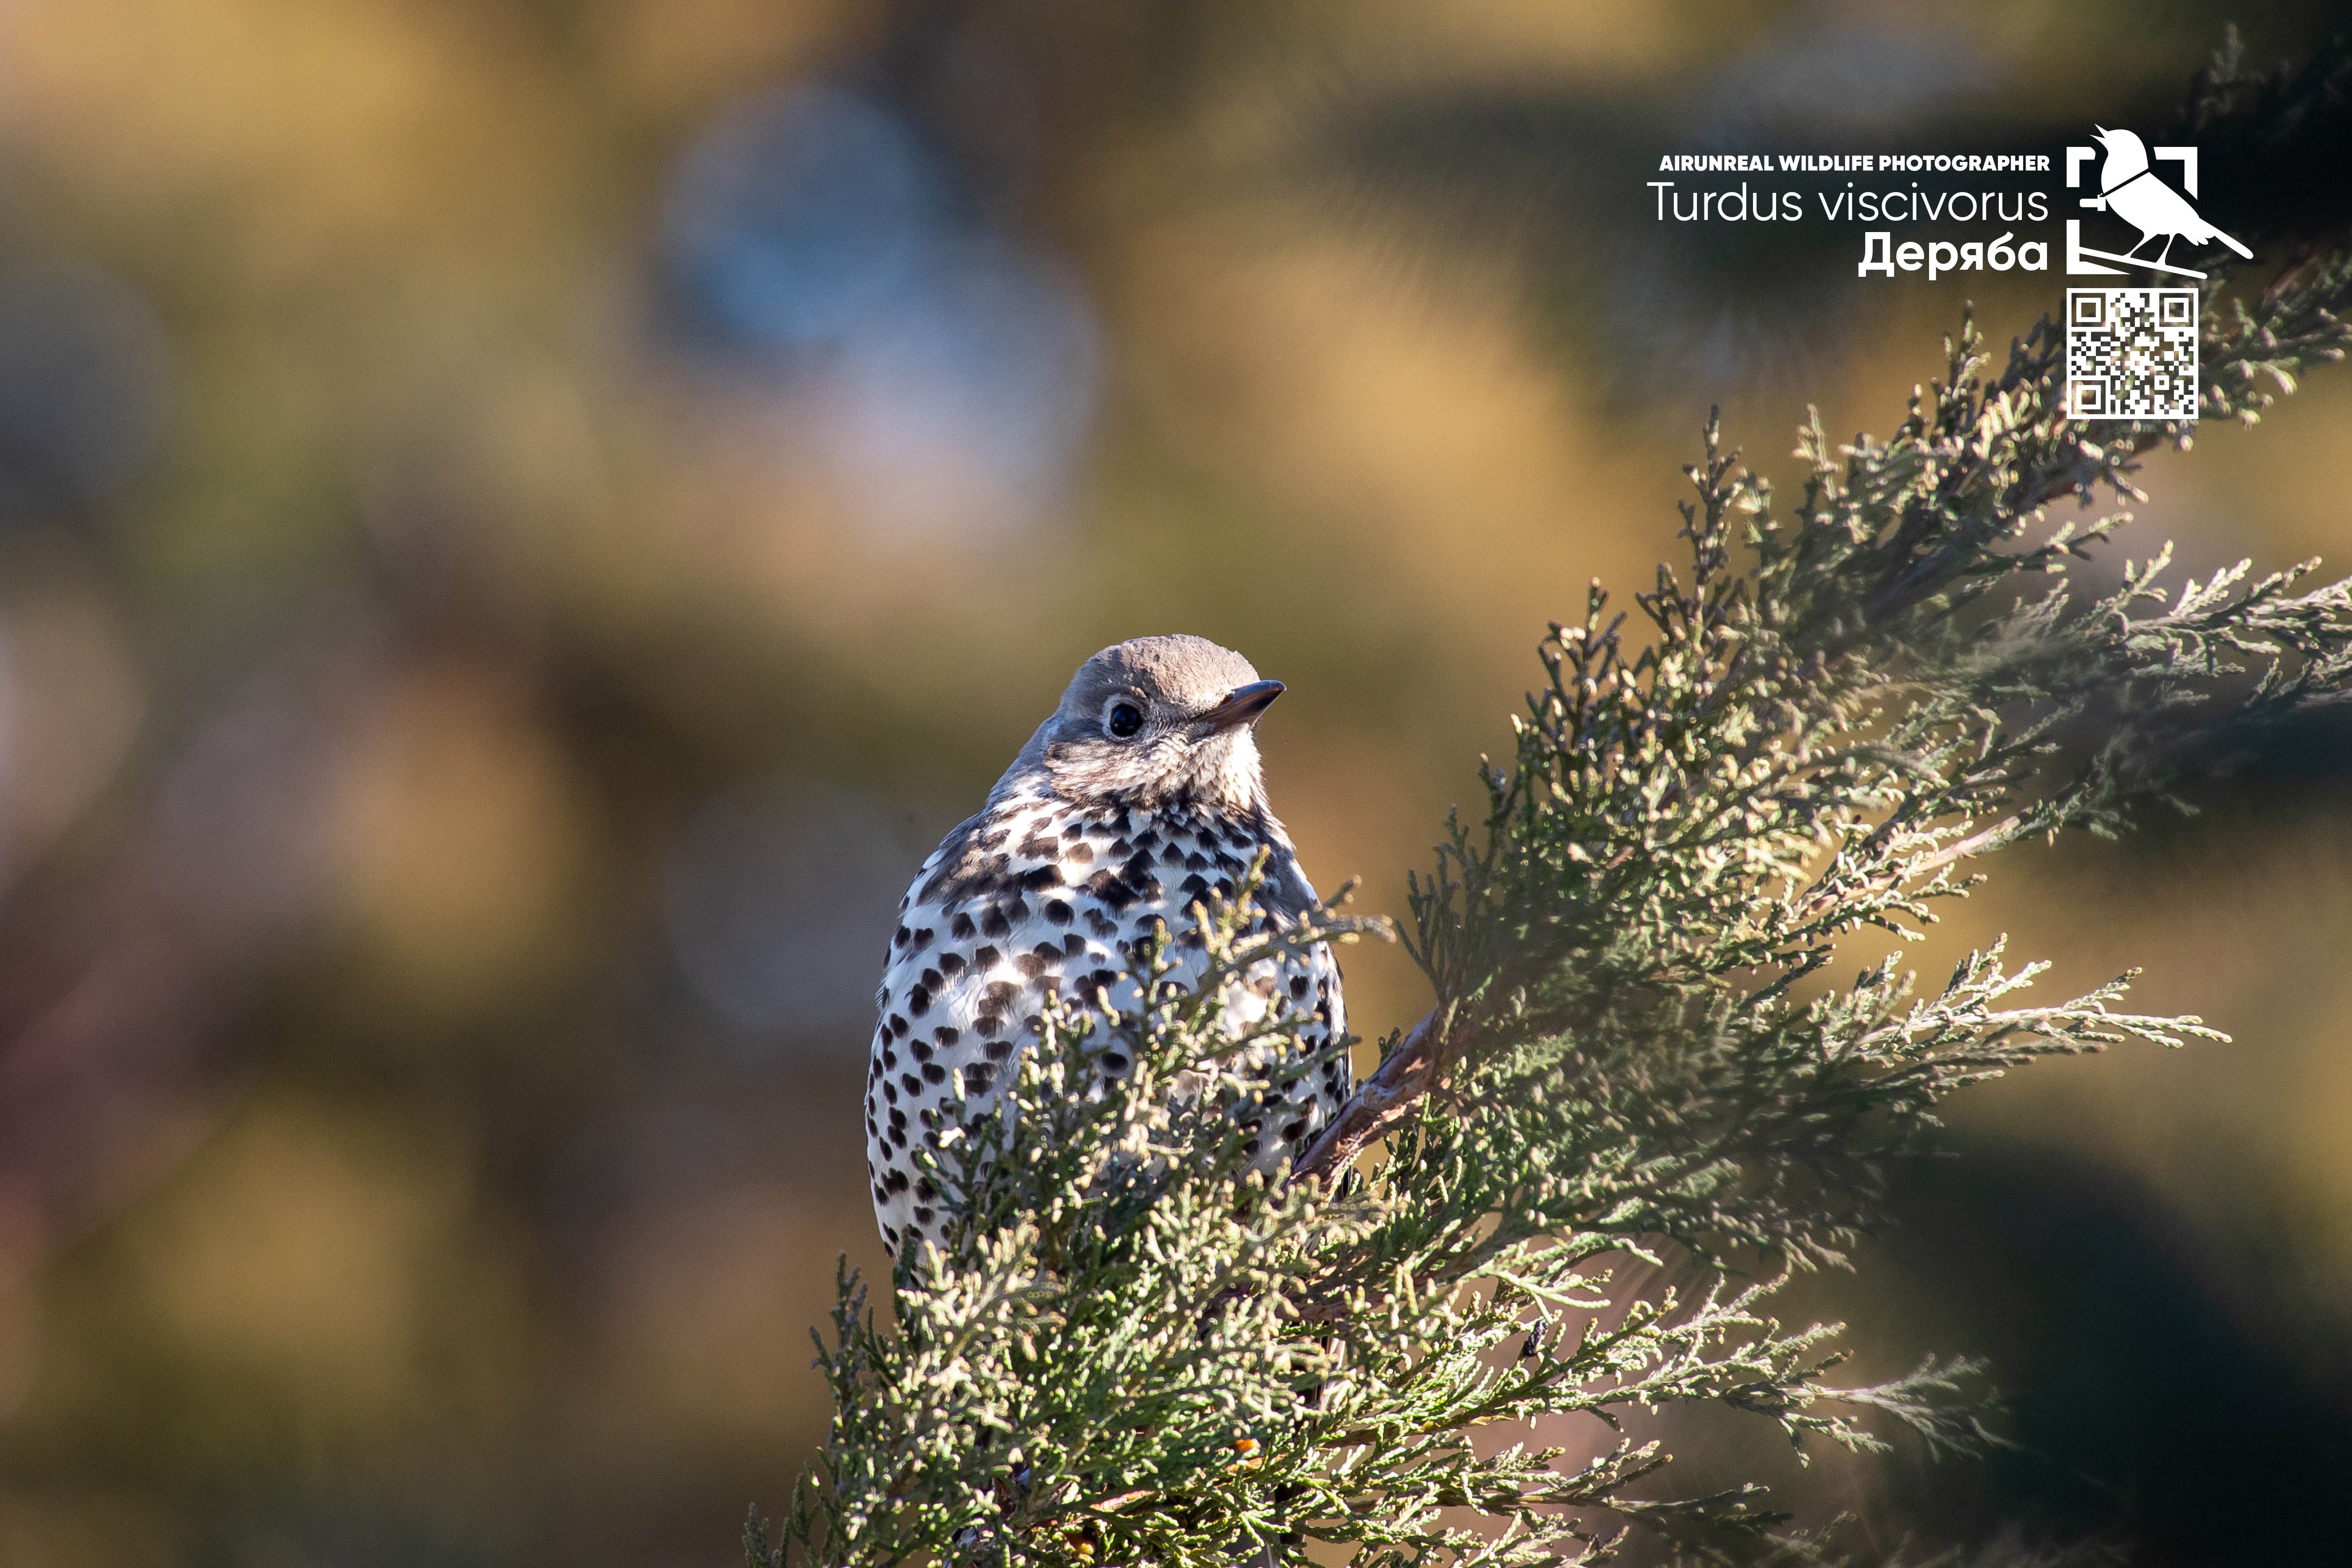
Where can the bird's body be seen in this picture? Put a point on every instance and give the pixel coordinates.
(1139, 797)
(2129, 188)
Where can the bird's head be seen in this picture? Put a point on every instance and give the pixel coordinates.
(1157, 719)
(2122, 145)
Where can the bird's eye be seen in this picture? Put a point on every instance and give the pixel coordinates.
(1123, 719)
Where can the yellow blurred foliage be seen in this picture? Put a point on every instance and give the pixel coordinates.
(77, 699)
(460, 841)
(298, 1251)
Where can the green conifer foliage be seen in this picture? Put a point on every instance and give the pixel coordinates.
(1132, 1351)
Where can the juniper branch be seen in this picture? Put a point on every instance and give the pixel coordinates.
(1131, 1348)
(1893, 727)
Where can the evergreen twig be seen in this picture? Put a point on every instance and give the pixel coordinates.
(1132, 1350)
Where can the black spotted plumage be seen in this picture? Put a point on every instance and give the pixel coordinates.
(1087, 845)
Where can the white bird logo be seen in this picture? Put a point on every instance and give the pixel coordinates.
(2129, 188)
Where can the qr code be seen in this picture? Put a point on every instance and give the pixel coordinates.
(2131, 353)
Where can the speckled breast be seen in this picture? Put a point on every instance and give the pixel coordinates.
(1037, 895)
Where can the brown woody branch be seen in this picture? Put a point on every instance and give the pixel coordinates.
(1379, 1102)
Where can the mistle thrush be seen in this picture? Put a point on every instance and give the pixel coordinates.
(1141, 796)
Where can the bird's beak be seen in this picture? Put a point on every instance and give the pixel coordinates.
(1242, 705)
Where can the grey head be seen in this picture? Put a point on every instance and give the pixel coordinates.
(1153, 720)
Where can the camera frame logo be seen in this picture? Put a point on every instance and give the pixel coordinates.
(2131, 353)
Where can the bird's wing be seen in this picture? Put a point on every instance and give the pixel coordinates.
(2153, 208)
(961, 857)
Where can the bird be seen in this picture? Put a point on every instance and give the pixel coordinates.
(2128, 187)
(1140, 795)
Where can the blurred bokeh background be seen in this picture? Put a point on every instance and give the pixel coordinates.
(522, 520)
